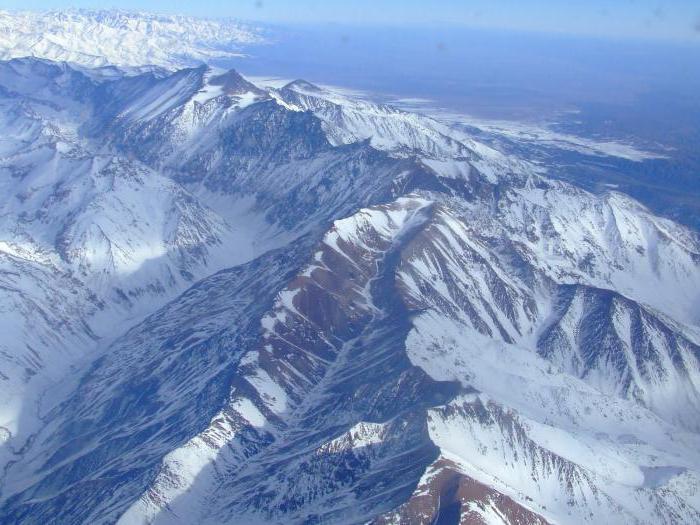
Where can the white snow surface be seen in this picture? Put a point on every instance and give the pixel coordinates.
(92, 240)
(121, 38)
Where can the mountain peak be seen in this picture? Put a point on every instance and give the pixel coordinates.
(232, 83)
(303, 85)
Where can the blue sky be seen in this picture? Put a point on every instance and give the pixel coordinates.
(678, 19)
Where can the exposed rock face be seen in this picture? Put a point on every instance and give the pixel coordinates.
(447, 496)
(228, 304)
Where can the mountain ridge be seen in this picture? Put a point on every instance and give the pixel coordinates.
(358, 313)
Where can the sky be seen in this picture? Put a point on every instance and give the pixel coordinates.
(666, 19)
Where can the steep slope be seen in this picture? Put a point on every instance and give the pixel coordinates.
(244, 143)
(330, 389)
(450, 152)
(539, 272)
(625, 349)
(123, 236)
(569, 451)
(328, 444)
(101, 447)
(89, 238)
(410, 328)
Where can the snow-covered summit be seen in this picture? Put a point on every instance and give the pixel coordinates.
(122, 38)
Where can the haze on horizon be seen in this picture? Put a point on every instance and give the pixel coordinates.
(645, 19)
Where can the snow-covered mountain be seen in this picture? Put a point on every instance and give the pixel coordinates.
(122, 38)
(228, 303)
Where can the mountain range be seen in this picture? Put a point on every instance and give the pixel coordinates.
(123, 38)
(227, 302)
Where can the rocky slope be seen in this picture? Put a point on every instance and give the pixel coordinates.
(291, 306)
